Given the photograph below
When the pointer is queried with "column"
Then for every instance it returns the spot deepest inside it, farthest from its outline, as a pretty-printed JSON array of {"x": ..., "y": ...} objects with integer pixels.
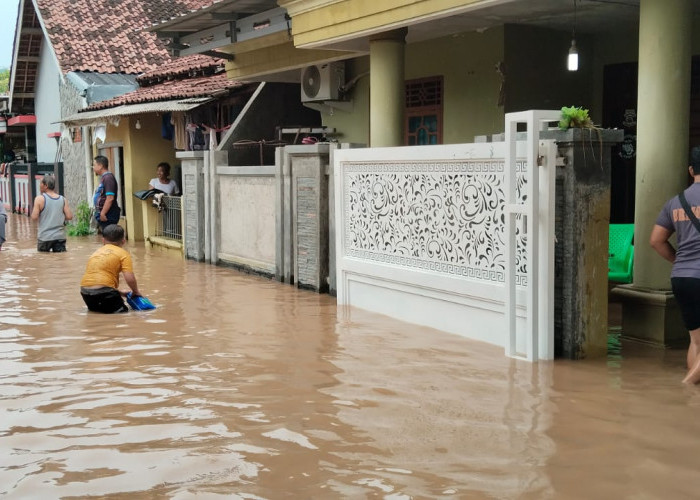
[
  {"x": 662, "y": 159},
  {"x": 387, "y": 93}
]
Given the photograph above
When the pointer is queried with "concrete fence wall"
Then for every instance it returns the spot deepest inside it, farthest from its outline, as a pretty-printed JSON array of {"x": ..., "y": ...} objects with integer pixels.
[{"x": 247, "y": 217}]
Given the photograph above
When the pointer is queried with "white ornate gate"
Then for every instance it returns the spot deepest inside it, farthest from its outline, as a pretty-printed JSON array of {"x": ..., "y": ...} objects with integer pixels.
[{"x": 428, "y": 235}]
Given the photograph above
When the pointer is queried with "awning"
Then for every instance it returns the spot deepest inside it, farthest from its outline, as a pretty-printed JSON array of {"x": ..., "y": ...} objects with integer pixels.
[
  {"x": 21, "y": 120},
  {"x": 103, "y": 115}
]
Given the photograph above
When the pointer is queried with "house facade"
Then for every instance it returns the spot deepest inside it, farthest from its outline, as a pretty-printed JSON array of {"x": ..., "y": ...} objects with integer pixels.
[
  {"x": 70, "y": 54},
  {"x": 426, "y": 72},
  {"x": 180, "y": 107}
]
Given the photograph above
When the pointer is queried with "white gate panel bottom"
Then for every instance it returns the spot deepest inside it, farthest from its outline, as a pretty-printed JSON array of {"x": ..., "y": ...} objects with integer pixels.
[
  {"x": 435, "y": 235},
  {"x": 477, "y": 318}
]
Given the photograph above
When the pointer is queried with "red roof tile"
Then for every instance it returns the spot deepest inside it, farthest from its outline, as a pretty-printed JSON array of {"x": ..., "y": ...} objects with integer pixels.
[
  {"x": 172, "y": 89},
  {"x": 106, "y": 36},
  {"x": 182, "y": 66}
]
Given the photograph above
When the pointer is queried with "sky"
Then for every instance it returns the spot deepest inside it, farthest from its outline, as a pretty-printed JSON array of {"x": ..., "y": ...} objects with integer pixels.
[{"x": 8, "y": 20}]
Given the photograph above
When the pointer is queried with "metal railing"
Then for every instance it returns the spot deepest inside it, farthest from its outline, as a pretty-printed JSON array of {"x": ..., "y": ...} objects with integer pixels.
[
  {"x": 5, "y": 192},
  {"x": 19, "y": 183},
  {"x": 169, "y": 222}
]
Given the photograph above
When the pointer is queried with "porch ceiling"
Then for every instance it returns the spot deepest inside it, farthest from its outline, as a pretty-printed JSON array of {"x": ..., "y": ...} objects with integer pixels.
[{"x": 592, "y": 17}]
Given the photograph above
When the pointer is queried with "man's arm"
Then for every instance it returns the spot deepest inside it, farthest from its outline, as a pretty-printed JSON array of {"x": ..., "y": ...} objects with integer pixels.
[
  {"x": 659, "y": 242},
  {"x": 130, "y": 279},
  {"x": 66, "y": 210},
  {"x": 38, "y": 207},
  {"x": 105, "y": 209}
]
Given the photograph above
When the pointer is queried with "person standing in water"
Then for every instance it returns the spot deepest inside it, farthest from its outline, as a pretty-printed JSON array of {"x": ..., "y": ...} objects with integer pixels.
[
  {"x": 3, "y": 220},
  {"x": 107, "y": 210},
  {"x": 99, "y": 286},
  {"x": 677, "y": 216},
  {"x": 52, "y": 211}
]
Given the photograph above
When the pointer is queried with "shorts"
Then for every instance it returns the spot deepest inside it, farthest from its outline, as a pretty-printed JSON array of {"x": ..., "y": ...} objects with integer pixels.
[
  {"x": 51, "y": 246},
  {"x": 104, "y": 223},
  {"x": 106, "y": 300},
  {"x": 687, "y": 293}
]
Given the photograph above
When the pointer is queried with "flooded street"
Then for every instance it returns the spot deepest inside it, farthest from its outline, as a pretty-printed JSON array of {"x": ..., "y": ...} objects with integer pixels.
[{"x": 240, "y": 387}]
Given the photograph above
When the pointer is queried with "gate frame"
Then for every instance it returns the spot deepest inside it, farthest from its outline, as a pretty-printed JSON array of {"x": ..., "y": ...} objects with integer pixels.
[{"x": 538, "y": 222}]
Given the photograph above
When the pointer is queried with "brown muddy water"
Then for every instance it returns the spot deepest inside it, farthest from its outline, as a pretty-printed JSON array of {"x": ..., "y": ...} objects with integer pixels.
[{"x": 240, "y": 387}]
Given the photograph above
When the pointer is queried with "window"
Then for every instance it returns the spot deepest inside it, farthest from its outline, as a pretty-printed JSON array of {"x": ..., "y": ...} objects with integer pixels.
[{"x": 423, "y": 111}]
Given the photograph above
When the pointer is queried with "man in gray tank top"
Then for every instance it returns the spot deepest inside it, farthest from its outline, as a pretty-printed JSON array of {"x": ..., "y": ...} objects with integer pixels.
[{"x": 52, "y": 211}]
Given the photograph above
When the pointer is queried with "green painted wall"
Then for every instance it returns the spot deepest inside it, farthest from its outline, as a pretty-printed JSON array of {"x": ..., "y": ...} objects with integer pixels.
[
  {"x": 353, "y": 126},
  {"x": 467, "y": 63},
  {"x": 536, "y": 77}
]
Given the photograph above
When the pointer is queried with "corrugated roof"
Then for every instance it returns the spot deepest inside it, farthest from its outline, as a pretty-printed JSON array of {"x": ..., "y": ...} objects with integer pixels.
[
  {"x": 102, "y": 115},
  {"x": 205, "y": 86},
  {"x": 92, "y": 78}
]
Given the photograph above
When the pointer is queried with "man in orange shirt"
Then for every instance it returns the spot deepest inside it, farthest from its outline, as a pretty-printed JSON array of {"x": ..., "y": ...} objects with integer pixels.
[{"x": 100, "y": 284}]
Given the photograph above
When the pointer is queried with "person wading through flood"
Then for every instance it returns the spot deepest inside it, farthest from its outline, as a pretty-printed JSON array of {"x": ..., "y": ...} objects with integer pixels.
[
  {"x": 105, "y": 199},
  {"x": 685, "y": 274},
  {"x": 3, "y": 220},
  {"x": 52, "y": 211},
  {"x": 99, "y": 286}
]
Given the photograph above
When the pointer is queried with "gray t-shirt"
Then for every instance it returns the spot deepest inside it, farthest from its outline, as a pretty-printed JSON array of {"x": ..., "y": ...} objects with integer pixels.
[{"x": 674, "y": 218}]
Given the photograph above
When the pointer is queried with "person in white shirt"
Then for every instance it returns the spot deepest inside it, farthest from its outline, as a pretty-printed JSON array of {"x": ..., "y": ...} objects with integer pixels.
[{"x": 163, "y": 181}]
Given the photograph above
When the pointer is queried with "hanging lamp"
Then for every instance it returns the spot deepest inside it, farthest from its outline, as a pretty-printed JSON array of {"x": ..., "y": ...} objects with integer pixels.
[{"x": 572, "y": 60}]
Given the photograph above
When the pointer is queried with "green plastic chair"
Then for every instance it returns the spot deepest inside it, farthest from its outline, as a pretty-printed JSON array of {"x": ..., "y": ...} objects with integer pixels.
[{"x": 621, "y": 253}]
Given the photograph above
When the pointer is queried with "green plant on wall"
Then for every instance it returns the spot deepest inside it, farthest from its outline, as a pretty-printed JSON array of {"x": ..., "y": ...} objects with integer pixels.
[
  {"x": 578, "y": 117},
  {"x": 81, "y": 222},
  {"x": 575, "y": 117}
]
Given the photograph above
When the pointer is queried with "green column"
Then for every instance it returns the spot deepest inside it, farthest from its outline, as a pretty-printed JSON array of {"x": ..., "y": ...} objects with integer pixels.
[
  {"x": 662, "y": 127},
  {"x": 386, "y": 55}
]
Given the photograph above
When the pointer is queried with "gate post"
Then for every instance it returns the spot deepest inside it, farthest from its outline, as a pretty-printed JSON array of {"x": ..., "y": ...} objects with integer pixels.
[
  {"x": 193, "y": 203},
  {"x": 582, "y": 225}
]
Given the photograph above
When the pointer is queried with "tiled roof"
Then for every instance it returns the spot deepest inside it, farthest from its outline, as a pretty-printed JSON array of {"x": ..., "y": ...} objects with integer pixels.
[
  {"x": 106, "y": 36},
  {"x": 173, "y": 89},
  {"x": 182, "y": 66}
]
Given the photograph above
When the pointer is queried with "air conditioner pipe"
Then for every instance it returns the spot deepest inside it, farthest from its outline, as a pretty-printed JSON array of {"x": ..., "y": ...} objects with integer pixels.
[{"x": 344, "y": 89}]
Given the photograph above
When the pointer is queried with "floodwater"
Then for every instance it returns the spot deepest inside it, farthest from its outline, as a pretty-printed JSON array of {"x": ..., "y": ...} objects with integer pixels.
[{"x": 241, "y": 387}]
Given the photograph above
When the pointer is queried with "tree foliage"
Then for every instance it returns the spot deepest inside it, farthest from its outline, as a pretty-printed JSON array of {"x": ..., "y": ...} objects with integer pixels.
[{"x": 4, "y": 81}]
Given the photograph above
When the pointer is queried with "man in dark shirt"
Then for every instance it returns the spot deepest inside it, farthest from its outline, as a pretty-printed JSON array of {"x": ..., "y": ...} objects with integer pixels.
[{"x": 105, "y": 200}]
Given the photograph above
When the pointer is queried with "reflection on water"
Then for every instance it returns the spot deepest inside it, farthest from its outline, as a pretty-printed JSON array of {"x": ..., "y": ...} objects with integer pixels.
[{"x": 239, "y": 387}]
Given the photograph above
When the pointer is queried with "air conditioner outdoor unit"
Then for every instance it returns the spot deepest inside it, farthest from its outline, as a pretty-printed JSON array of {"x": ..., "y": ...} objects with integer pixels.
[{"x": 321, "y": 82}]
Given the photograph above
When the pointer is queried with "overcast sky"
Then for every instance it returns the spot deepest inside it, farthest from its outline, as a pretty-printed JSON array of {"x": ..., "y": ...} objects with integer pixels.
[{"x": 8, "y": 20}]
